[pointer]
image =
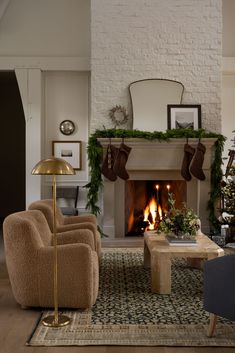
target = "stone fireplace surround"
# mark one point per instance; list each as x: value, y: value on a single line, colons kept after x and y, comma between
x: 154, y: 160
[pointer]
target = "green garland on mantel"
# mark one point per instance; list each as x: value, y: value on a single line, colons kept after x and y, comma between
x: 95, y: 152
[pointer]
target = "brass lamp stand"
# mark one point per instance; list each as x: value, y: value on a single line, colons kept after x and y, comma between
x: 54, y: 166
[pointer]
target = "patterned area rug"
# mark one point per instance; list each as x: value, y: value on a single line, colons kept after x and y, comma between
x: 127, y: 313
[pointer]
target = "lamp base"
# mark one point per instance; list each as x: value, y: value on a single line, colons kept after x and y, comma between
x: 51, y: 322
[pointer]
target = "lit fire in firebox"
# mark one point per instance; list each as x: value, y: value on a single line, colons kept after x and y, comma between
x: 152, y: 214
x: 147, y: 203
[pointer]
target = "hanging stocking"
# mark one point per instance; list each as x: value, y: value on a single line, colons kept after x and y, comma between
x: 120, y: 162
x: 196, y: 166
x: 107, y: 166
x: 188, y: 156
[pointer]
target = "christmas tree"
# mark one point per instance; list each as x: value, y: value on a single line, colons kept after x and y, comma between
x: 228, y: 195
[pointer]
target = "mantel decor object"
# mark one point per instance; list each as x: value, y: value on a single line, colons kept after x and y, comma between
x: 118, y: 115
x: 54, y: 166
x: 184, y: 116
x: 149, y: 99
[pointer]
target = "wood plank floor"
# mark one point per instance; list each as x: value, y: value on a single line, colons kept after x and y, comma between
x: 16, y: 324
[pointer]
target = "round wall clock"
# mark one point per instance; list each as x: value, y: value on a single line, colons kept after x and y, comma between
x: 67, y: 127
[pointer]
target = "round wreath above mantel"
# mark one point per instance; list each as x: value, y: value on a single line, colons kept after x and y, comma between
x: 95, y: 152
x: 118, y: 115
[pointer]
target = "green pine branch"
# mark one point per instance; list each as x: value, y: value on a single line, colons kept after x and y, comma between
x: 95, y: 151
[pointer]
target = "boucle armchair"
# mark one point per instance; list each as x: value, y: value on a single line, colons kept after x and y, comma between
x: 64, y: 223
x: 29, y: 258
x: 219, y: 287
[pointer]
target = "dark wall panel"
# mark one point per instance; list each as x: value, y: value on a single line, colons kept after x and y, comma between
x: 12, y: 146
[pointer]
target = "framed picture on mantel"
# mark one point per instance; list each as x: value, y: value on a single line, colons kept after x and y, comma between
x: 70, y: 151
x: 184, y: 116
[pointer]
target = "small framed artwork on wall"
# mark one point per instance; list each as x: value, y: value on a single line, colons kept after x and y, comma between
x: 70, y: 151
x: 184, y: 116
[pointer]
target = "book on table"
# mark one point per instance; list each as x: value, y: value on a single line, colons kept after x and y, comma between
x: 178, y: 241
x: 230, y: 245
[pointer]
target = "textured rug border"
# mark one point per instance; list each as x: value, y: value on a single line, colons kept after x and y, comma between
x: 124, y: 250
x: 142, y: 335
x: 34, y: 329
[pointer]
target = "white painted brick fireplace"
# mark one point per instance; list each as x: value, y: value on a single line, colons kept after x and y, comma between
x: 141, y: 39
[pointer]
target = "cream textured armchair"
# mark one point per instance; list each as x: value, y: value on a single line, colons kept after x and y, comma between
x: 64, y: 223
x: 29, y: 258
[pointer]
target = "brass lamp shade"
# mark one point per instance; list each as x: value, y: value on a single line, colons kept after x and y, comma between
x: 53, y: 166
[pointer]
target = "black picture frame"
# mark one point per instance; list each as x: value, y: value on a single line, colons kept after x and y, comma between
x: 184, y: 116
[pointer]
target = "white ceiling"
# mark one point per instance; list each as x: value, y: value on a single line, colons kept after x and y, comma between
x: 228, y: 41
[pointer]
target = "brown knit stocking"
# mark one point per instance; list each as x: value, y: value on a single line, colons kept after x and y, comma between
x: 196, y: 166
x: 188, y: 156
x: 120, y: 162
x: 107, y: 166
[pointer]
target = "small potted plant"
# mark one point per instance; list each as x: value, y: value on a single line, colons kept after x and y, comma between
x: 179, y: 223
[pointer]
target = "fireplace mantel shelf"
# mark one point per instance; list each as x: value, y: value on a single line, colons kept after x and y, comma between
x: 141, y: 142
x: 149, y: 155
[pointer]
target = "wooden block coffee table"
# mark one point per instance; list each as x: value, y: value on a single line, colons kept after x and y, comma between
x: 158, y: 254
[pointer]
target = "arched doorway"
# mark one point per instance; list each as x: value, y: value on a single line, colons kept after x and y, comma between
x: 12, y: 146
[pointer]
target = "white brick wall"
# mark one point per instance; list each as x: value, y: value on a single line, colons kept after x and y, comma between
x: 174, y: 39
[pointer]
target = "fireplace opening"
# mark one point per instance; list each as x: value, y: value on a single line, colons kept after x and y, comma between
x: 146, y: 202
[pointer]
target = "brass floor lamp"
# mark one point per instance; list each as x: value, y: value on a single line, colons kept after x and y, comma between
x: 54, y: 166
